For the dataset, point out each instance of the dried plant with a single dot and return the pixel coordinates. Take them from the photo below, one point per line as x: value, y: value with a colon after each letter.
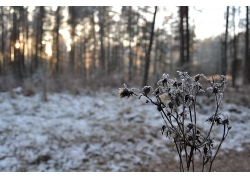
x: 176, y: 102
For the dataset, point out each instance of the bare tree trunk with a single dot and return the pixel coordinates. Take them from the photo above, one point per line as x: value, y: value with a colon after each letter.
x: 101, y: 24
x: 73, y: 26
x: 224, y: 53
x: 136, y: 46
x: 187, y: 35
x: 108, y: 48
x: 15, y: 40
x: 234, y: 63
x: 84, y: 55
x: 184, y: 38
x: 3, y: 38
x: 247, y: 60
x: 23, y: 19
x: 39, y: 36
x: 181, y: 35
x: 156, y: 57
x: 93, y: 60
x: 56, y: 31
x: 145, y: 76
x: 130, y: 47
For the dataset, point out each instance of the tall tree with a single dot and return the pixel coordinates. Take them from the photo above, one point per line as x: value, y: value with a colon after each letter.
x: 2, y: 39
x: 247, y: 59
x: 102, y: 12
x: 187, y: 34
x: 235, y: 61
x: 147, y: 61
x: 57, y: 35
x: 72, y: 22
x: 39, y: 36
x: 184, y: 35
x: 16, y: 42
x: 130, y: 29
x: 224, y: 46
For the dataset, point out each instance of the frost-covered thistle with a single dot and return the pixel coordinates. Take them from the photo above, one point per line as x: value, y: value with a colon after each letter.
x: 176, y: 101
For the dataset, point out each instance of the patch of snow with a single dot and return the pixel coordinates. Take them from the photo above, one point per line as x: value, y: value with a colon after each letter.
x: 94, y: 133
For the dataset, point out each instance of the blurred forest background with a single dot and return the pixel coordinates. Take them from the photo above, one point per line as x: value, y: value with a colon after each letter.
x: 77, y: 47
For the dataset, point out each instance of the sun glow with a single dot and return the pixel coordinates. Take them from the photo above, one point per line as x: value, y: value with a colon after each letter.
x: 48, y: 49
x: 17, y: 45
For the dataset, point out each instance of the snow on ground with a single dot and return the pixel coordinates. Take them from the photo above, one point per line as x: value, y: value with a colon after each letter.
x: 97, y: 132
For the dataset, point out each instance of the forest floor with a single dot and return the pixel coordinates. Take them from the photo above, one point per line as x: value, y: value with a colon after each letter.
x: 100, y: 132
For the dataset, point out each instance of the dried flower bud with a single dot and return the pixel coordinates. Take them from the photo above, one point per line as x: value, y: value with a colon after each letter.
x: 163, y: 129
x: 190, y: 125
x: 125, y: 92
x: 159, y: 108
x: 225, y: 121
x: 170, y: 105
x: 197, y: 77
x: 146, y: 89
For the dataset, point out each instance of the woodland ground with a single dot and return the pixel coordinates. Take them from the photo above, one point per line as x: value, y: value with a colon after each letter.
x: 97, y: 131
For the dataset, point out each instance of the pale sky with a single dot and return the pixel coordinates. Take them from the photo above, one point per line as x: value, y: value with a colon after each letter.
x: 209, y: 22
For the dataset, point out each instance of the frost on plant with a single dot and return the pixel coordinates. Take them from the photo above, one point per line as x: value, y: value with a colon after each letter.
x: 176, y: 102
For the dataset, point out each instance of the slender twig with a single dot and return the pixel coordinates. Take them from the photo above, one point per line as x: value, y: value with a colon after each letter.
x: 222, y: 139
x: 179, y: 153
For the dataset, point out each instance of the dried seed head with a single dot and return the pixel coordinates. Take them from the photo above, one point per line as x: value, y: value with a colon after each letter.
x: 170, y: 105
x: 197, y: 77
x: 146, y: 89
x: 164, y: 97
x: 123, y: 92
x: 163, y: 129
